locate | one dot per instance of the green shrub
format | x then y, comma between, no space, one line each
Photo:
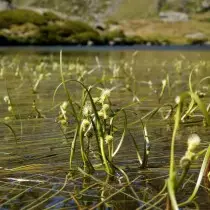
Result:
112,22
50,16
18,17
198,41
50,34
70,30
130,40
78,27
114,36
83,38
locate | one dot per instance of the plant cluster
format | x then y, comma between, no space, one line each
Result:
100,130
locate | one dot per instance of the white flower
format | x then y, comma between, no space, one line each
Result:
164,82
64,105
10,108
6,99
105,107
108,139
87,109
105,93
177,99
85,124
193,142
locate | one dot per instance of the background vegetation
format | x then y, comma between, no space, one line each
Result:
103,22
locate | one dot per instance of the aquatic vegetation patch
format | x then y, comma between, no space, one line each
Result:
95,138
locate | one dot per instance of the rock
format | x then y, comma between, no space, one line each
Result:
6,31
111,43
4,5
114,27
90,43
207,43
100,26
118,39
171,16
205,5
196,38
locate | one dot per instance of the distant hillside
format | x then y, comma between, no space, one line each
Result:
120,9
87,9
135,9
104,22
115,9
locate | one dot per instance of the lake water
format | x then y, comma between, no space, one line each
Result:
40,154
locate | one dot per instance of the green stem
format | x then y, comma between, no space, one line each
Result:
66,90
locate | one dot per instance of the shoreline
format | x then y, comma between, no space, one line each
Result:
70,48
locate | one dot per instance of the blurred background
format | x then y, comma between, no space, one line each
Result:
109,21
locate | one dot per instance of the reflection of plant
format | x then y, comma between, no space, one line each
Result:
10,106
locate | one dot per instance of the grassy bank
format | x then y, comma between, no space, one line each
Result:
175,33
23,27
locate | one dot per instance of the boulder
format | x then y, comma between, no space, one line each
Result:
172,16
100,26
196,38
4,5
114,27
205,5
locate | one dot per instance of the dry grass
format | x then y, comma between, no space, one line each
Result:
175,32
133,9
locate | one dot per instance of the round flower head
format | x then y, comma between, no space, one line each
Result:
9,108
193,142
105,107
150,84
85,124
41,76
108,139
87,109
164,82
101,114
105,94
177,99
64,105
6,99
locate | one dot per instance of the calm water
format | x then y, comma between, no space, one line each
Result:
42,142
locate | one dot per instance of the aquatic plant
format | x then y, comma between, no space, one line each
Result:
95,128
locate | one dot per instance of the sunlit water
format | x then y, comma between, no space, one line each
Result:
42,142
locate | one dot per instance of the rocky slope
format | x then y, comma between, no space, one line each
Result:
100,9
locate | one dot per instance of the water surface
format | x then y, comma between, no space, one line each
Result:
42,142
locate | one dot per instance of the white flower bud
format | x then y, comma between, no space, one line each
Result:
96,99
85,124
164,82
104,95
101,114
87,109
193,142
105,107
6,99
177,99
9,108
64,105
7,118
109,139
